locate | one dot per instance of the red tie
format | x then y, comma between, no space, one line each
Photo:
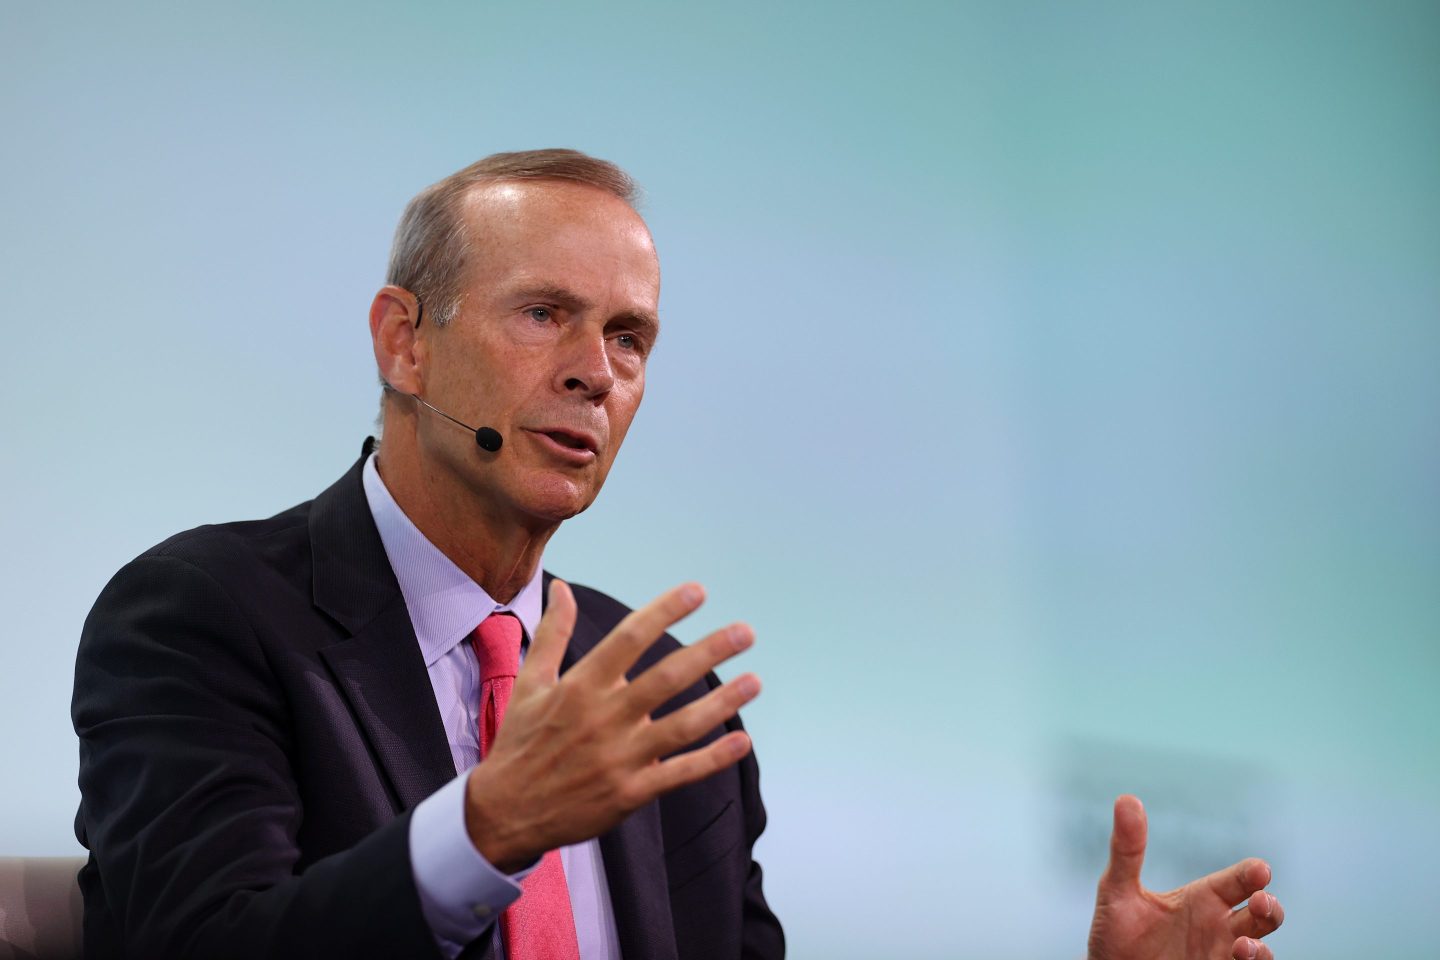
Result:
538,926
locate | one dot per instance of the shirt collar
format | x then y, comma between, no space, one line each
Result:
445,604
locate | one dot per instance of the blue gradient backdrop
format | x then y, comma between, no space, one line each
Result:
1054,386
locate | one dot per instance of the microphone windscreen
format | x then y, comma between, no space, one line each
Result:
489,439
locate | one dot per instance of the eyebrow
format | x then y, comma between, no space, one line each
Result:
644,322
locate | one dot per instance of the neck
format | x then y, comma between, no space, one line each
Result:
494,547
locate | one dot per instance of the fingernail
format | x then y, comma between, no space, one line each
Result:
740,636
691,593
749,686
1251,949
1269,905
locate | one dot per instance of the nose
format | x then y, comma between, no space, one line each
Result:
586,369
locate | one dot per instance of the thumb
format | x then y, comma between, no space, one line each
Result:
1127,844
552,636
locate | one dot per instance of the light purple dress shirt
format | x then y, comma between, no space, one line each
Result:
461,893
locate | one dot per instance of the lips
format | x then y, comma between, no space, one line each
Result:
572,445
574,441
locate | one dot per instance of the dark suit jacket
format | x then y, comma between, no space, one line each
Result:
256,723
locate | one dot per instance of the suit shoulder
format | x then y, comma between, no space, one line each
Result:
215,545
605,612
231,555
602,609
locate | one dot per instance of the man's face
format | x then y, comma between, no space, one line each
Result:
557,319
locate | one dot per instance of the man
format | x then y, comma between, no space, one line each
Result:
280,721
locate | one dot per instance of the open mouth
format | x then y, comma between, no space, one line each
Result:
567,440
572,446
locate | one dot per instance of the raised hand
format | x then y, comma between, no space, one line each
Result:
1195,922
575,754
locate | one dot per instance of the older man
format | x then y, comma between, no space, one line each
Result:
349,730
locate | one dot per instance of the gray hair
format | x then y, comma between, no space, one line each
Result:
433,242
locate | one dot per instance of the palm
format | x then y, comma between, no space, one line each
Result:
1194,922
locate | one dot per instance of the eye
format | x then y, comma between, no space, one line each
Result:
540,314
631,343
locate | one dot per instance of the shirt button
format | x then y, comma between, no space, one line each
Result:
481,910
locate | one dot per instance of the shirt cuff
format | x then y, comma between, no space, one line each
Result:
461,893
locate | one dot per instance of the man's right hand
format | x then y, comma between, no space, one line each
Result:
576,754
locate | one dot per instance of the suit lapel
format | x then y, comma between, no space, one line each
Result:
383,676
379,668
634,858
633,851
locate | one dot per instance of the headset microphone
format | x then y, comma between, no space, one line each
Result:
487,438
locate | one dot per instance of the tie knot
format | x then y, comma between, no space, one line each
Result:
497,645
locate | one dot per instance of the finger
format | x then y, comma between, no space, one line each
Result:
685,666
1127,844
699,717
1248,949
632,636
689,767
552,636
1234,884
1261,916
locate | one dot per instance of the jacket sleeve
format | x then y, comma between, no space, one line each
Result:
762,938
188,800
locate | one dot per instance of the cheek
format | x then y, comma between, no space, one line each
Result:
624,409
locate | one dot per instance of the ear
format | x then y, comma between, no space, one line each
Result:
398,350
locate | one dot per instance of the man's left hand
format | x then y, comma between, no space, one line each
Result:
1195,922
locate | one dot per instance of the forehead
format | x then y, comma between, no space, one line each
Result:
561,232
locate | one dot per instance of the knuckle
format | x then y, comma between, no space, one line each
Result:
721,646
686,768
671,736
720,705
565,696
718,756
669,674
688,728
618,782
632,794
625,632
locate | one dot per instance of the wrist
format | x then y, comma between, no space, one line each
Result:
493,836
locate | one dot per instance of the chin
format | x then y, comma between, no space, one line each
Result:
555,499
551,515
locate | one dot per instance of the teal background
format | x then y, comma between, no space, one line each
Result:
1053,386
